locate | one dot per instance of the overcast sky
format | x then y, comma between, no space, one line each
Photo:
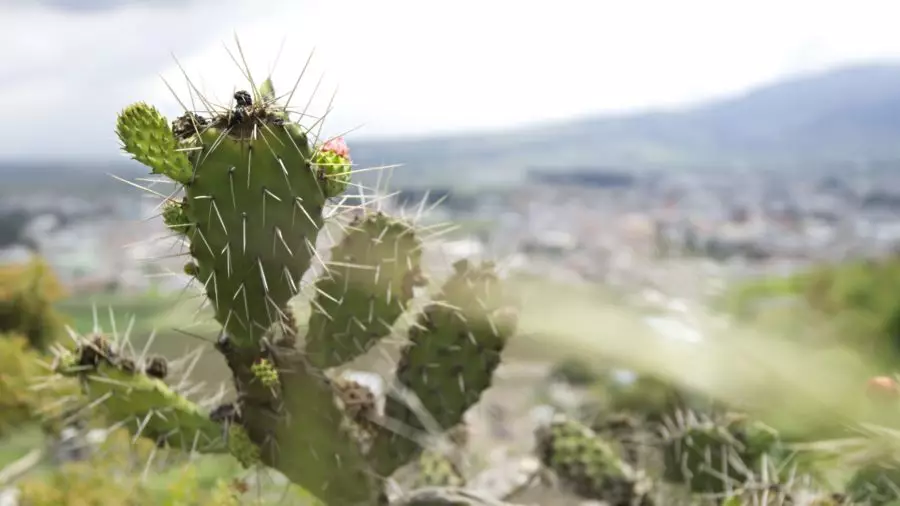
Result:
409,66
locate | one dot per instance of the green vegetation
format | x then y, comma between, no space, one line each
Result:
731,420
856,303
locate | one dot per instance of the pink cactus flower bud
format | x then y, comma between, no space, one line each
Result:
337,146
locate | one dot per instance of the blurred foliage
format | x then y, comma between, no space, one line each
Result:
114,476
857,303
574,371
23,399
28,293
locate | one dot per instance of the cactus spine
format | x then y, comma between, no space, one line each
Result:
255,189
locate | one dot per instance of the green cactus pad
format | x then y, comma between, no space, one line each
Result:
114,383
453,352
257,212
241,447
589,465
370,283
705,452
252,207
146,135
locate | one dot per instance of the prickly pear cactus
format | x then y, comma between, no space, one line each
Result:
709,454
589,465
255,188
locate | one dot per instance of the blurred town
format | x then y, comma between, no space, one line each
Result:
685,234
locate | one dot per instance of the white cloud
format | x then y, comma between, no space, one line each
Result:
408,66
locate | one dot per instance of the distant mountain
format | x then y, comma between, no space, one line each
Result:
836,116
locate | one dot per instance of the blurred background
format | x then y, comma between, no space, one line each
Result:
702,171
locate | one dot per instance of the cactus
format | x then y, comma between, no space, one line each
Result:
711,453
875,483
589,465
255,190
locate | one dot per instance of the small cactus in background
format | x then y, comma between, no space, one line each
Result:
256,190
711,454
589,465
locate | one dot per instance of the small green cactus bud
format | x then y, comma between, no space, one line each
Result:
175,217
191,269
267,91
241,447
146,135
436,470
333,165
265,372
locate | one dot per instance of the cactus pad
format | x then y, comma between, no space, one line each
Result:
145,134
450,360
252,207
373,271
115,384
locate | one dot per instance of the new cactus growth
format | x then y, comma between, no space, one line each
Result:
255,189
589,465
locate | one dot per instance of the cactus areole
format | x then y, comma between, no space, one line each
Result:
254,187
